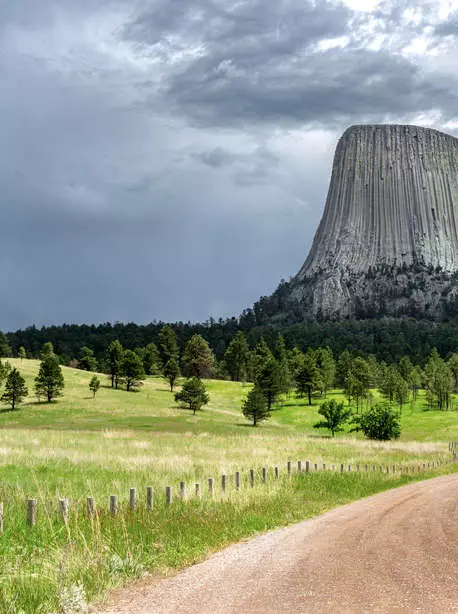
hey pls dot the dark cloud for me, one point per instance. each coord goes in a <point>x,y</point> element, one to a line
<point>170,159</point>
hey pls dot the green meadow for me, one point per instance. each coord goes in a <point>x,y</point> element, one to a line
<point>78,447</point>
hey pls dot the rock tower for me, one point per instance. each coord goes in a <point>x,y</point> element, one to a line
<point>388,240</point>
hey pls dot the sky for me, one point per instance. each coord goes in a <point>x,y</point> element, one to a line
<point>170,159</point>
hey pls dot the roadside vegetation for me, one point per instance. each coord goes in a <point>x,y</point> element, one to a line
<point>102,433</point>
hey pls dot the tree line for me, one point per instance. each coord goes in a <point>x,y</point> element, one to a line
<point>388,340</point>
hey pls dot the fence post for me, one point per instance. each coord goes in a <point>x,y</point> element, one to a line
<point>210,487</point>
<point>63,504</point>
<point>358,468</point>
<point>198,490</point>
<point>342,468</point>
<point>223,483</point>
<point>252,477</point>
<point>349,468</point>
<point>264,475</point>
<point>31,512</point>
<point>237,480</point>
<point>307,466</point>
<point>324,466</point>
<point>276,473</point>
<point>90,507</point>
<point>149,498</point>
<point>182,491</point>
<point>289,467</point>
<point>315,467</point>
<point>113,505</point>
<point>168,495</point>
<point>132,499</point>
<point>333,467</point>
<point>299,466</point>
<point>366,468</point>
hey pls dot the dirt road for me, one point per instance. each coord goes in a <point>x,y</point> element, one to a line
<point>394,552</point>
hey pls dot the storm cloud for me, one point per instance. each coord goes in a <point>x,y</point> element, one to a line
<point>170,160</point>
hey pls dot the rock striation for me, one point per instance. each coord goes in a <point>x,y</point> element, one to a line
<point>388,240</point>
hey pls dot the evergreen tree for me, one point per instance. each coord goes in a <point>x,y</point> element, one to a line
<point>87,360</point>
<point>22,353</point>
<point>94,385</point>
<point>47,350</point>
<point>167,346</point>
<point>402,391</point>
<point>327,368</point>
<point>438,381</point>
<point>335,416</point>
<point>115,356</point>
<point>281,356</point>
<point>198,359</point>
<point>237,357</point>
<point>453,366</point>
<point>308,377</point>
<point>172,372</point>
<point>5,369</point>
<point>132,370</point>
<point>357,381</point>
<point>343,367</point>
<point>268,381</point>
<point>193,393</point>
<point>50,380</point>
<point>151,359</point>
<point>405,367</point>
<point>259,356</point>
<point>415,380</point>
<point>15,389</point>
<point>389,383</point>
<point>5,350</point>
<point>255,406</point>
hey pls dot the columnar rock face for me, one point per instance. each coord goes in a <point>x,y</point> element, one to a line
<point>388,240</point>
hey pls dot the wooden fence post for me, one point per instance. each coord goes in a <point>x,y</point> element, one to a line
<point>113,505</point>
<point>31,512</point>
<point>299,466</point>
<point>168,495</point>
<point>132,499</point>
<point>315,467</point>
<point>237,480</point>
<point>324,466</point>
<point>90,507</point>
<point>342,468</point>
<point>276,473</point>
<point>289,467</point>
<point>252,477</point>
<point>307,466</point>
<point>210,487</point>
<point>149,498</point>
<point>182,491</point>
<point>198,490</point>
<point>223,483</point>
<point>63,504</point>
<point>264,475</point>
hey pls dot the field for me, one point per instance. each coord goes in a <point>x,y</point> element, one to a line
<point>80,446</point>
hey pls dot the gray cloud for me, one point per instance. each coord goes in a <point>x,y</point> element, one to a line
<point>170,159</point>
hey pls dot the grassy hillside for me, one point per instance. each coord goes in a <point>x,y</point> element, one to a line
<point>80,446</point>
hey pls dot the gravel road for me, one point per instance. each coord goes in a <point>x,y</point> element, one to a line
<point>393,552</point>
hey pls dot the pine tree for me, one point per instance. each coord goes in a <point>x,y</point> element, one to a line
<point>281,356</point>
<point>193,393</point>
<point>172,372</point>
<point>255,406</point>
<point>47,350</point>
<point>308,377</point>
<point>268,381</point>
<point>151,359</point>
<point>237,357</point>
<point>327,368</point>
<point>198,359</point>
<point>132,370</point>
<point>5,350</point>
<point>5,369</point>
<point>94,385</point>
<point>15,389</point>
<point>50,380</point>
<point>167,346</point>
<point>87,360</point>
<point>115,355</point>
<point>22,354</point>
